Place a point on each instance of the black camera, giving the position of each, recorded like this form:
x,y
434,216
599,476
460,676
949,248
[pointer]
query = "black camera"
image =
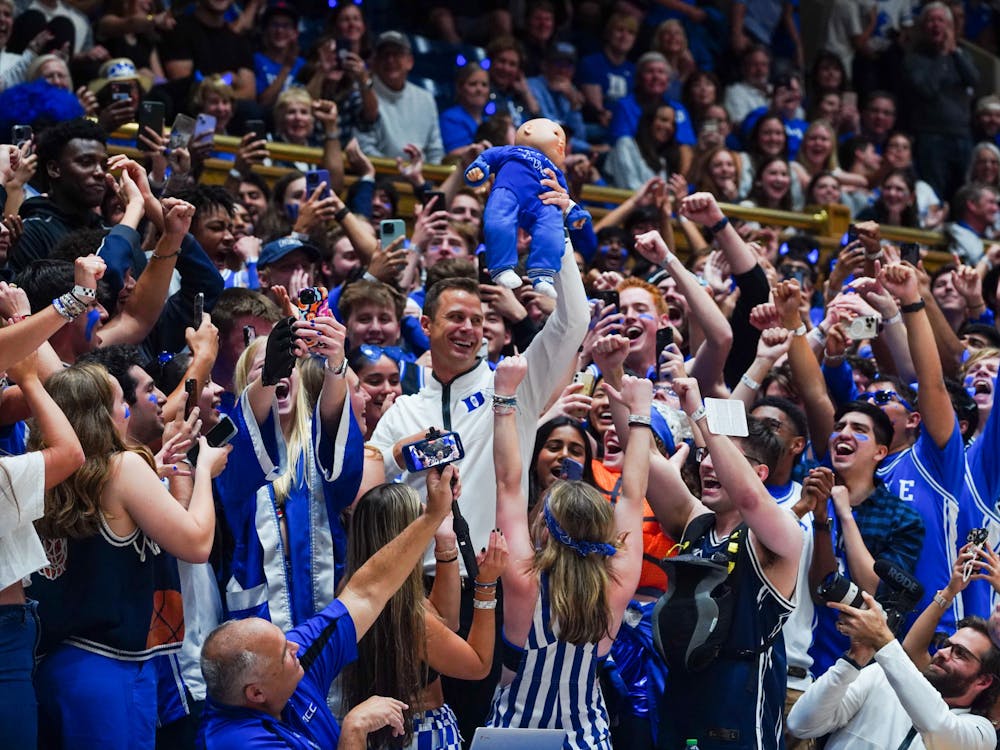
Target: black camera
x,y
837,588
902,594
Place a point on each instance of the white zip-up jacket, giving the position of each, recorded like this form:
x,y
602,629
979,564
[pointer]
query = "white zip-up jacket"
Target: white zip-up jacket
x,y
465,406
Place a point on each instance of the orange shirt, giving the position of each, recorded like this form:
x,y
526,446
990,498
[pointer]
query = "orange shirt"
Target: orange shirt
x,y
655,543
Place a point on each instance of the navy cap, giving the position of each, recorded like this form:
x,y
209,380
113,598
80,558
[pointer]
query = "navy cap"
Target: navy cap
x,y
277,249
279,6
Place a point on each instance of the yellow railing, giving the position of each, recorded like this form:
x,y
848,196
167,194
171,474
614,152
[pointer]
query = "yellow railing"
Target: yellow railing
x,y
828,223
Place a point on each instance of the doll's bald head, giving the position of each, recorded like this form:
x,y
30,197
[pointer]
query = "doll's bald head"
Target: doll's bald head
x,y
545,135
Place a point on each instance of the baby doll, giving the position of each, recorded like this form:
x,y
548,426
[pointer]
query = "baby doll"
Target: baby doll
x,y
539,151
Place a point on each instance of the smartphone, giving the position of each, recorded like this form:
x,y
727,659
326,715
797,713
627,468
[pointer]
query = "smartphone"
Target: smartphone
x,y
664,338
435,450
314,177
852,234
863,327
222,434
199,309
909,253
587,379
309,302
258,128
204,129
249,334
181,132
978,537
121,91
190,388
150,116
20,134
389,230
436,200
571,470
484,271
608,298
343,49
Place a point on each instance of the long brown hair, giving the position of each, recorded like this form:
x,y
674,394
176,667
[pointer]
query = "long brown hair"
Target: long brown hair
x,y
578,586
85,395
390,656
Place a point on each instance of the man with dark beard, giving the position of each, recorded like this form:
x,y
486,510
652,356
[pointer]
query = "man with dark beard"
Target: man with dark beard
x,y
874,696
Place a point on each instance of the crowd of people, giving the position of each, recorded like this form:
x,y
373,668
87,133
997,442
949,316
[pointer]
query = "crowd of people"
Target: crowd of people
x,y
279,471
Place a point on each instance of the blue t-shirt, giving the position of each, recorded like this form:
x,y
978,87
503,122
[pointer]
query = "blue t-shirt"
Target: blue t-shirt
x,y
266,70
795,130
931,479
627,112
327,643
458,128
615,80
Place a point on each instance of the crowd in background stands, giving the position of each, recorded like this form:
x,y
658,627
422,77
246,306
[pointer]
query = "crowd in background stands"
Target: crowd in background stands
x,y
652,565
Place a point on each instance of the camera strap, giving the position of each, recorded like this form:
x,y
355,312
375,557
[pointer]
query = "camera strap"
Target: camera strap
x,y
908,739
464,539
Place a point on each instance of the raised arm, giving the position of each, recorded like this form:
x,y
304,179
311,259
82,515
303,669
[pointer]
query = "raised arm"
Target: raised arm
x,y
936,410
21,340
774,527
704,209
512,505
62,453
143,308
326,336
366,594
637,395
711,355
806,374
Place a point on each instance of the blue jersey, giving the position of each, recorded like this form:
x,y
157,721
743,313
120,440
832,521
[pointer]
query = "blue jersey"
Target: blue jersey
x,y
735,703
932,479
979,507
327,643
555,687
266,72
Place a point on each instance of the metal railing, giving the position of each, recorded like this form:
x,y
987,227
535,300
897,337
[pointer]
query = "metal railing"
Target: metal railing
x,y
828,223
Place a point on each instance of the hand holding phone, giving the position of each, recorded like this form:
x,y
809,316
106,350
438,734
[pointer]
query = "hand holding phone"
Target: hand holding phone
x,y
222,434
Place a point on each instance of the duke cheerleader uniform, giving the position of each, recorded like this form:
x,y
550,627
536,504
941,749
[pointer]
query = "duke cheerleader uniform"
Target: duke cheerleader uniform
x,y
555,687
736,703
268,580
96,682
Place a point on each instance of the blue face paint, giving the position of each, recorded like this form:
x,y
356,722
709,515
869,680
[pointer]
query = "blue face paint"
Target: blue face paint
x,y
859,437
128,412
834,436
153,399
93,318
646,316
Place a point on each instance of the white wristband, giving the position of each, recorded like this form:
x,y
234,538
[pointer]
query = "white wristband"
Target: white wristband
x,y
897,318
667,260
749,382
800,331
698,414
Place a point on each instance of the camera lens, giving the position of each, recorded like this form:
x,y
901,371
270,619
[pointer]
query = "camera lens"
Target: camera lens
x,y
836,588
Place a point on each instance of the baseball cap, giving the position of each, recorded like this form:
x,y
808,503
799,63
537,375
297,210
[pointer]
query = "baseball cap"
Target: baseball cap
x,y
277,249
392,37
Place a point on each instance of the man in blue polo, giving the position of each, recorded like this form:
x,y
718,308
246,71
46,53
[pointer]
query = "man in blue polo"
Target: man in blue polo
x,y
268,689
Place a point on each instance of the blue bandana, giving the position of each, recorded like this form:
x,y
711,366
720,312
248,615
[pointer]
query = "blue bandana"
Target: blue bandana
x,y
581,548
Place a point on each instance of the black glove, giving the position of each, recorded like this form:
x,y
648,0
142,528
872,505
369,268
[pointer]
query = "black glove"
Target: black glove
x,y
279,358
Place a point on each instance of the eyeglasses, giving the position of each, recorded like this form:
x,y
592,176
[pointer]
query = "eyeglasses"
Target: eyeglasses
x,y
887,396
961,653
700,454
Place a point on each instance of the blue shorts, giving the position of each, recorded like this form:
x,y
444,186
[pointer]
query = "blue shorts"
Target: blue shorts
x,y
18,709
89,701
